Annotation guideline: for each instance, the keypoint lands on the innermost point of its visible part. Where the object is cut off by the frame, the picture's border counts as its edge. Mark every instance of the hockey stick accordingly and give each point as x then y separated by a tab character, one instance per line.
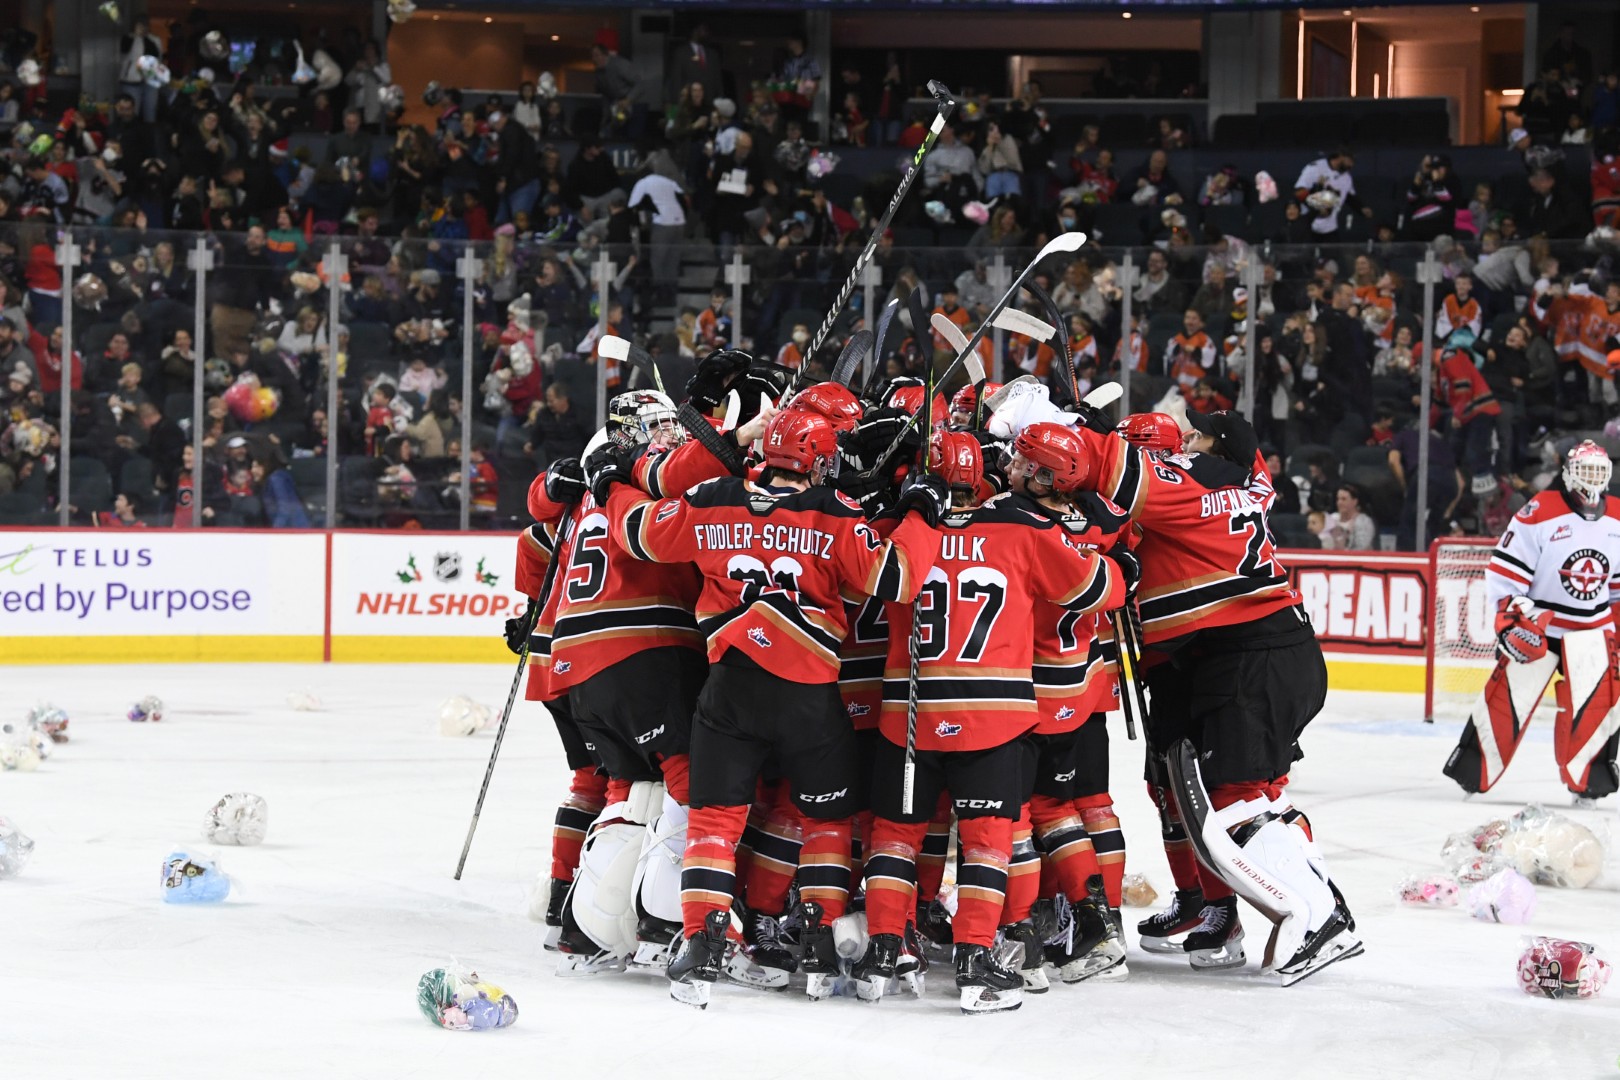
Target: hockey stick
855	349
1059	335
723	449
908	779
624	350
958	341
1066	242
947	105
880	346
517	680
1015	321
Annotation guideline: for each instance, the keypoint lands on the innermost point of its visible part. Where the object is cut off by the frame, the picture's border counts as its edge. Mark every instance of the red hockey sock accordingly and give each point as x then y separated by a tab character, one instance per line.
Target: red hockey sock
775	839
936	845
677	770
891	875
708	873
618	790
1178	850
1023	872
824	864
981	880
1068	848
1102	825
587	794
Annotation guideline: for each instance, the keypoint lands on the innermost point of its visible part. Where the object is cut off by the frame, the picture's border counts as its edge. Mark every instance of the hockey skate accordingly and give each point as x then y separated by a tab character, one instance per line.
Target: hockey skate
693	972
911	964
1183	916
656	942
1333	941
818	955
1099	946
934	928
1032	968
874	970
553	914
764	963
580	955
1217	943
983	984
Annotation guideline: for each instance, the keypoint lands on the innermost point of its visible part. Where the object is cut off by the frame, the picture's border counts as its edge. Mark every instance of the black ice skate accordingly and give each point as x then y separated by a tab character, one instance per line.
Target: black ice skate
656	941
818	955
1217	943
580	955
984	985
766	963
1333	941
1032	968
1099	946
934	927
877	967
693	972
553	919
912	962
1183	916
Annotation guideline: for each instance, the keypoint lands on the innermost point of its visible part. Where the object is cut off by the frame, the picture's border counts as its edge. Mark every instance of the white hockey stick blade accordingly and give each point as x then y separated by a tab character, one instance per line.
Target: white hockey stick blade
1014	321
733	412
958	341
614	348
1067	242
1105	395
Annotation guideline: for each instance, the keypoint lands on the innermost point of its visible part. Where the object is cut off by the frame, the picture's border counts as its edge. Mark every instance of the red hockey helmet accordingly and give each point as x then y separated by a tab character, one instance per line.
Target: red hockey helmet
797	439
1055	455
910	399
967	398
837	403
955	457
1151	431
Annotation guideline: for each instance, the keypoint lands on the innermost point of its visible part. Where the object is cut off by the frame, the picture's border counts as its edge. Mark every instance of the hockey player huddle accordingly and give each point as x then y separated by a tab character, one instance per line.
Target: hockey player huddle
791	651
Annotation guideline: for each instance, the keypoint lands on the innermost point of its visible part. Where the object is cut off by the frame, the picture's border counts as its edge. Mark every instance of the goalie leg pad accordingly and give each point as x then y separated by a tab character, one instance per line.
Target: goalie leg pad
1253	850
658	873
602	900
1588	718
1498	722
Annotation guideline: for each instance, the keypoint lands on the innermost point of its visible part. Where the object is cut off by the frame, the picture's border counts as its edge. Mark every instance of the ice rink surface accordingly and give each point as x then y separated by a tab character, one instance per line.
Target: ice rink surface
310	969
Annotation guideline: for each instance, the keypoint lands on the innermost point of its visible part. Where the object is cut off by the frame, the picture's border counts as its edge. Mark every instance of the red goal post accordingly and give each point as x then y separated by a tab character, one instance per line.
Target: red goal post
1461	641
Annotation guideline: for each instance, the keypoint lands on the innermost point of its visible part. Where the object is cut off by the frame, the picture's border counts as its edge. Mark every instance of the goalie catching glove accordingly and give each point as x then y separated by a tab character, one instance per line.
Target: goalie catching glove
1521	635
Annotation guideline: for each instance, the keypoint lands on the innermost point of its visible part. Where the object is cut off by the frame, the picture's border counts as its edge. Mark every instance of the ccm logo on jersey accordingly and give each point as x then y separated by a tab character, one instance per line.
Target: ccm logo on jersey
642	740
1065	777
1585	574
828	797
946	729
979	804
1563	532
757	636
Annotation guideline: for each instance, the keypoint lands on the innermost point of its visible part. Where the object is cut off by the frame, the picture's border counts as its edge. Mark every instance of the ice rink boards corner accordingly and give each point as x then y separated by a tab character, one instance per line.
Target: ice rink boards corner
151	596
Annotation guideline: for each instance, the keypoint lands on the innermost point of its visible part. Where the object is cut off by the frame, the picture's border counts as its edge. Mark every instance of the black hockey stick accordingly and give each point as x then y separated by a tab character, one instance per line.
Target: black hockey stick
880	347
908	778
723	448
855	350
517	680
1059	340
947	105
1066	242
626	351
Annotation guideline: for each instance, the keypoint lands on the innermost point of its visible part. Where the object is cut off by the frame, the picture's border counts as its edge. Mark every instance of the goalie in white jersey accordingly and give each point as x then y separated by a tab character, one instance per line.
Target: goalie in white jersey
1554	578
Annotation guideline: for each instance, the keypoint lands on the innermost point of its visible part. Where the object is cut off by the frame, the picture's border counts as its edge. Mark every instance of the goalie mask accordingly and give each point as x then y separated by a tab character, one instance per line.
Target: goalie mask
641	417
1587	470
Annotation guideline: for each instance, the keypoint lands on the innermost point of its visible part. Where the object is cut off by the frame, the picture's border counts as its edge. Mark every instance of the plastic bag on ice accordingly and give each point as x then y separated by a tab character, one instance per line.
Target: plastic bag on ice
15	847
1428	890
238	818
1505	897
1557	968
189	878
461	1001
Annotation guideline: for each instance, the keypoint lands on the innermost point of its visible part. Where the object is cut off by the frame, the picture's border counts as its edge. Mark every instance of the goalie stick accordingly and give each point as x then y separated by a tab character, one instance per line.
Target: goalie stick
946	105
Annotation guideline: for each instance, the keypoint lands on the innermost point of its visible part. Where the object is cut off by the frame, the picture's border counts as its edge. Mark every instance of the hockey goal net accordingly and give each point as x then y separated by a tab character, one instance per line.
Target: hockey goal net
1462	627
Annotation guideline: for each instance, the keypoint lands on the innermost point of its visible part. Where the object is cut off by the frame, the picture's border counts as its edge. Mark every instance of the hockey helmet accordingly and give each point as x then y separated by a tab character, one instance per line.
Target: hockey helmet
908	395
966	400
956	457
1151	431
1587	470
832	400
798	439
1050	454
643	416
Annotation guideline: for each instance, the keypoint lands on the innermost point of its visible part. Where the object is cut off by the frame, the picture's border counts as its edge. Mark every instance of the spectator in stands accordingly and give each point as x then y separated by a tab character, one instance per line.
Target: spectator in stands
555	430
134	45
1444	481
698	62
1606	102
1156	290
592	176
518	184
1348	370
1001	231
1551	212
1329	173
617	85
1000	164
1349	526
1459	311
737	187
283	509
950	172
367	80
1571	60
1153	184
1432	199
801	75
351	143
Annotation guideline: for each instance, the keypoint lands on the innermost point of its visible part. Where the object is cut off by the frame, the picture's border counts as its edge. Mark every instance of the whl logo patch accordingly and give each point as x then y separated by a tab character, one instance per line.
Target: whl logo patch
1065	713
757	636
946	729
561	667
857	709
1585	574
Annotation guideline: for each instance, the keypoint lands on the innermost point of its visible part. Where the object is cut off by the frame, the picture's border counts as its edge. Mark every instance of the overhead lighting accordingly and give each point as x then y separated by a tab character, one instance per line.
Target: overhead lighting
1354	27
1124	14
556	37
489	18
1299	64
1474	9
1345	13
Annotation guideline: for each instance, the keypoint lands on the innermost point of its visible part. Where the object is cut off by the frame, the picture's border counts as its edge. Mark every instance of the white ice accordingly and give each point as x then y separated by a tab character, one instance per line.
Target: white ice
310	969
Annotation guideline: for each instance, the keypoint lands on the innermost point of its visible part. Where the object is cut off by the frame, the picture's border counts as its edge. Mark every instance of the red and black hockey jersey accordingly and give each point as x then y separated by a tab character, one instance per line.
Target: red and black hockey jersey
978	612
1071	667
777	565
1206	549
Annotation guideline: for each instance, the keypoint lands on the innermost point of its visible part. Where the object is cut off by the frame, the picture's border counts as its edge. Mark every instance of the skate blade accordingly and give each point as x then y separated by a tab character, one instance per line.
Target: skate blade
820	985
694	993
1162	944
870	991
1089	968
552	936
913	981
1216	959
744	972
580	966
1035	980
1330	953
652	956
975	1000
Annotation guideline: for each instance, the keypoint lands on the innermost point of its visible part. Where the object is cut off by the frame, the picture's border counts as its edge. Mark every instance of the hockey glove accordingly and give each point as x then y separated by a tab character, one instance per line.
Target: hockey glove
715	374
609	464
861	474
1130	567
1089	416
926	494
519	629
565	481
1520	635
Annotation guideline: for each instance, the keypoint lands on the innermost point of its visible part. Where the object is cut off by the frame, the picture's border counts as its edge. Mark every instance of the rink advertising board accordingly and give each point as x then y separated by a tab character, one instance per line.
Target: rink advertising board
143	595
1368	610
403	595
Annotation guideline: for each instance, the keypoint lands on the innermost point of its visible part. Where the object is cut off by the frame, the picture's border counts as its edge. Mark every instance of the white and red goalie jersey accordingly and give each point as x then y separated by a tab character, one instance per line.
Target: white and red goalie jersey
1564	562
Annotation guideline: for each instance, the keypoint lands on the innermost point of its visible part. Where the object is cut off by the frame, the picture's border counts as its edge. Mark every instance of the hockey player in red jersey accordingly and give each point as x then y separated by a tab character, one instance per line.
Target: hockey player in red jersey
1553	579
776	558
1248	676
975	700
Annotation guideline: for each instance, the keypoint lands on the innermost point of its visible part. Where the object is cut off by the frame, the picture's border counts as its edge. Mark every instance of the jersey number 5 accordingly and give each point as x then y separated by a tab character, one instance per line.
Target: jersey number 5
588	566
